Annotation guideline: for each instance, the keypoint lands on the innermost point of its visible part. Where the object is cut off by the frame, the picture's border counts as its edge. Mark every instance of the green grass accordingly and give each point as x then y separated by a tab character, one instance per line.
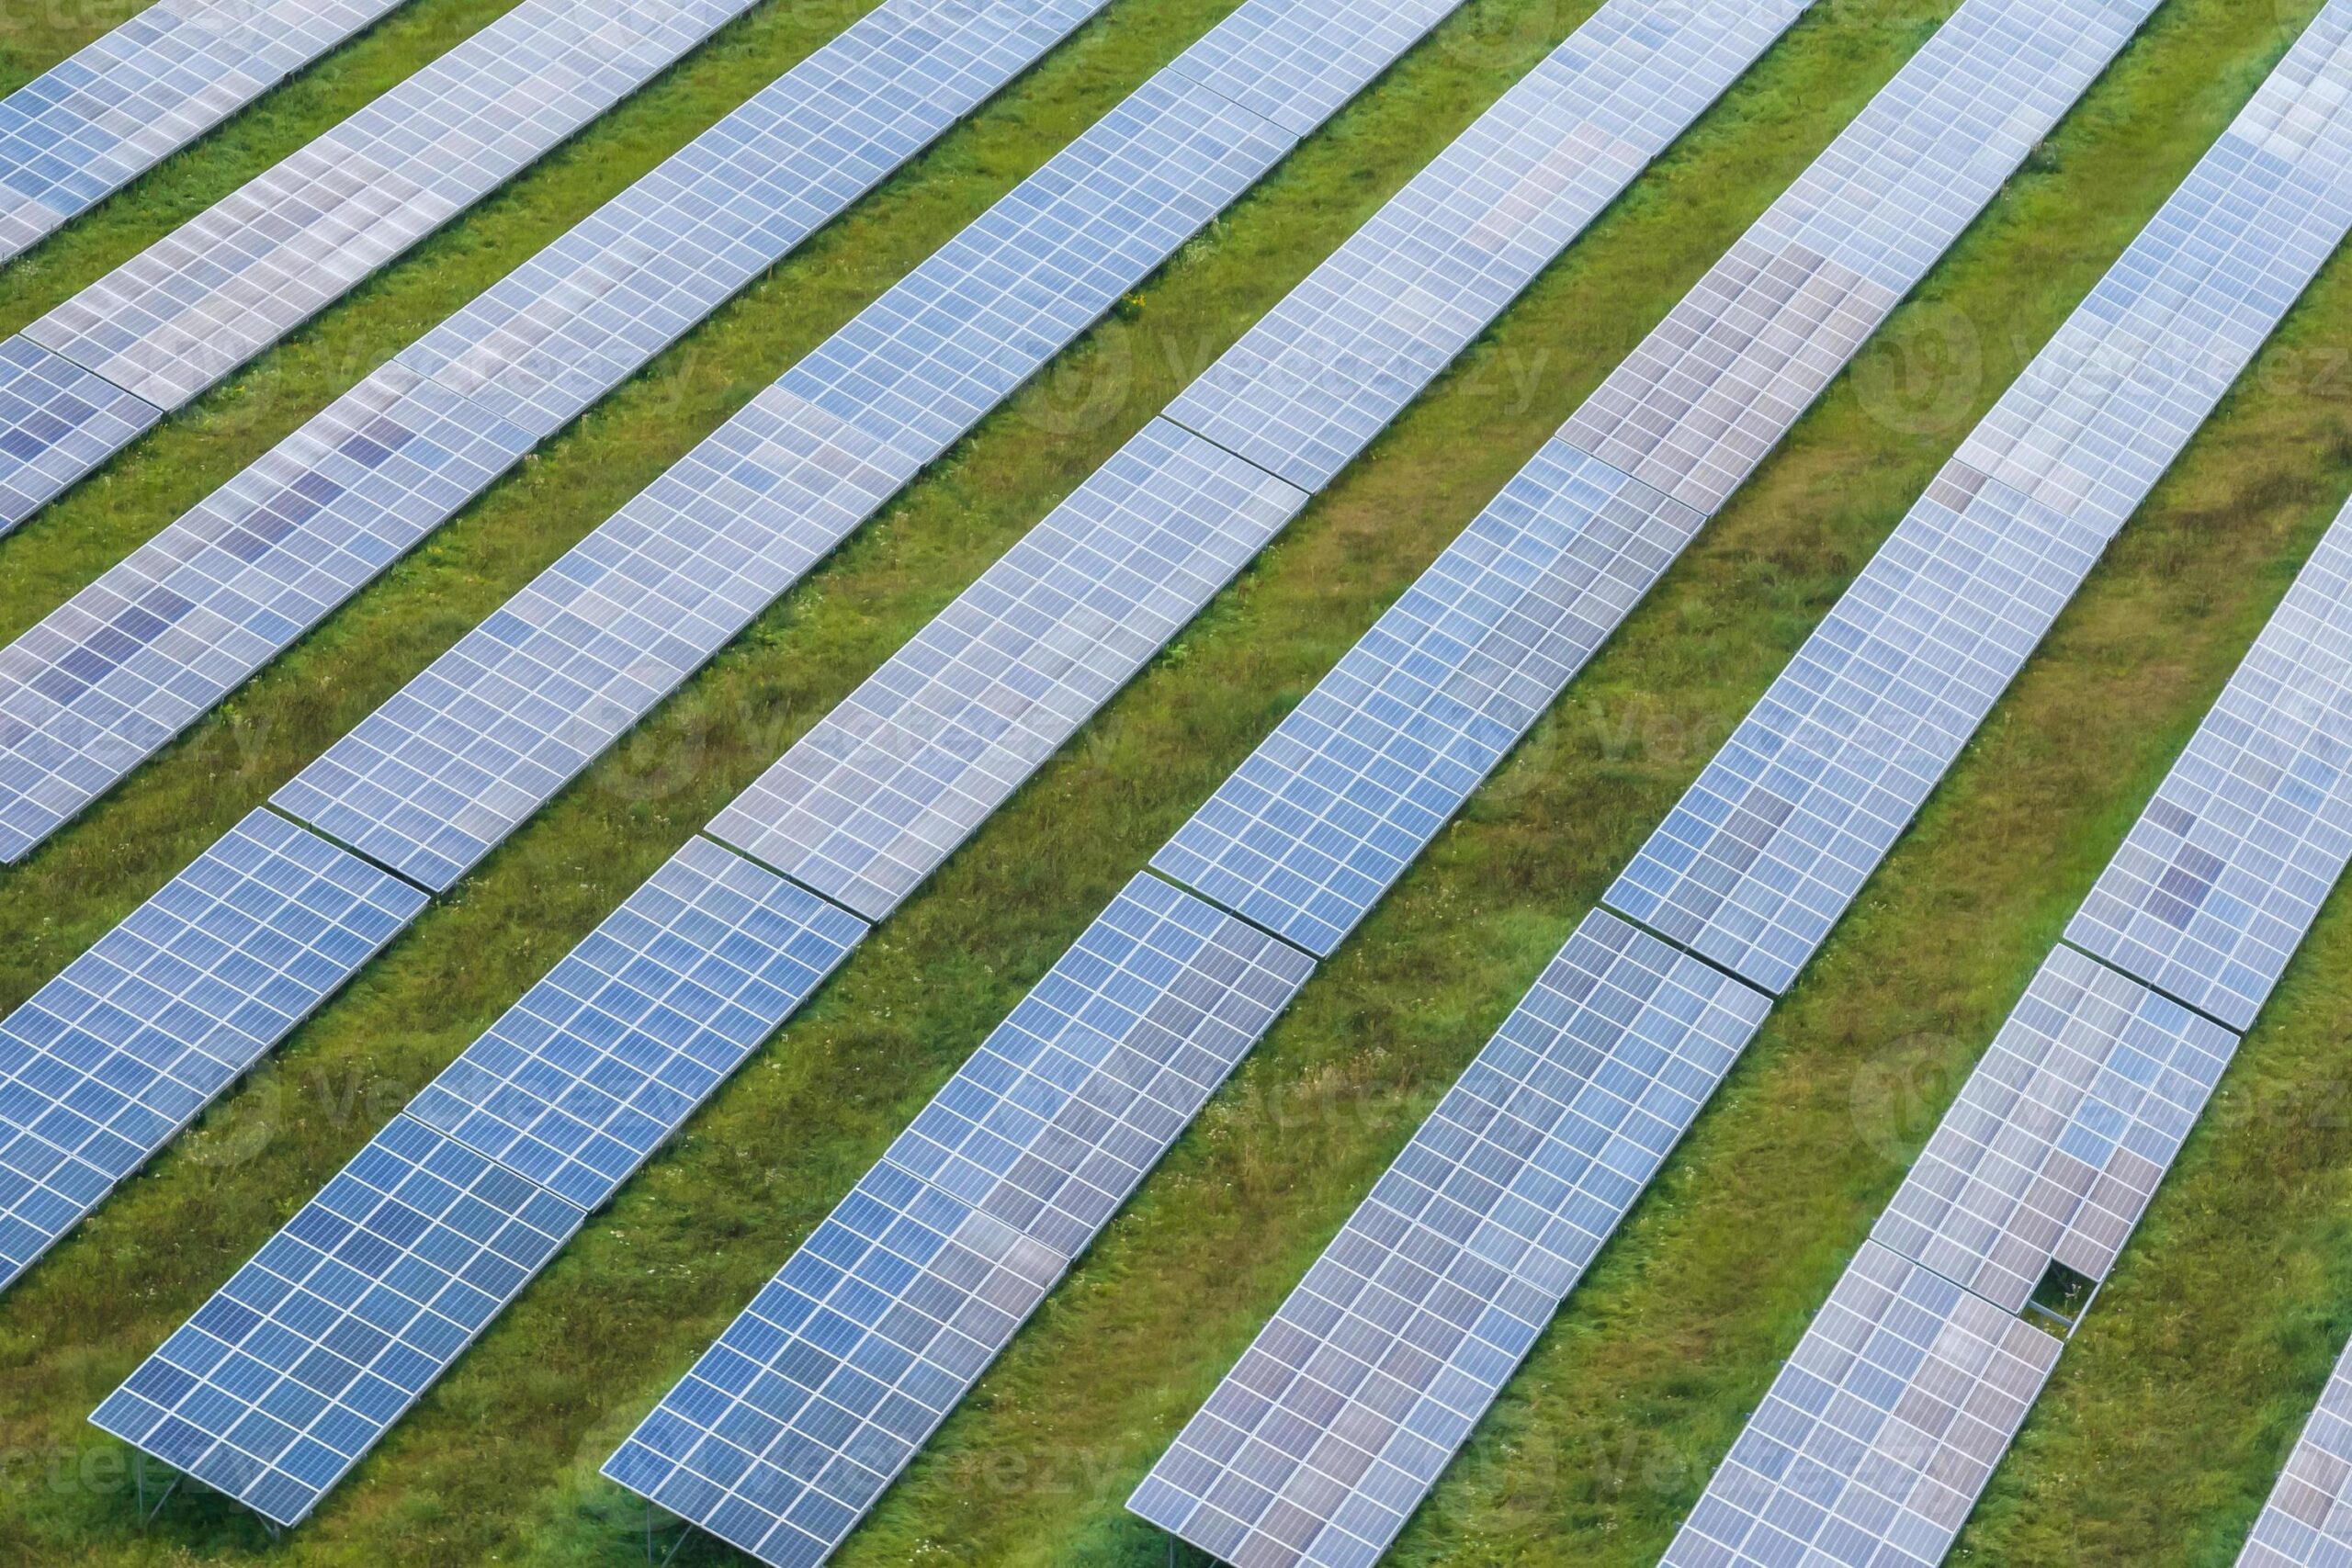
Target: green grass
2165	1421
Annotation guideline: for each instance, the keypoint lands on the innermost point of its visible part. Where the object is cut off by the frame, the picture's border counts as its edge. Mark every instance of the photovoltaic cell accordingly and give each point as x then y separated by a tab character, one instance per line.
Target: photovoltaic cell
1308	832
2059	1135
900	77
1309	386
2307	1522
787	1429
2227	867
139	655
197	304
1326	1435
481	739
1876	1438
869	803
280	1383
57	421
107	1063
91	123
607	1055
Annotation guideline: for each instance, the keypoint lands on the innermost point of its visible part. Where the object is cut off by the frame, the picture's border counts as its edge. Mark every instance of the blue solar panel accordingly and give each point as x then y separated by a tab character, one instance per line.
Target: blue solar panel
109	1060
872	799
2227	867
787	1429
313	519
1313	382
1776	837
2307	1520
91	123
57	421
480	741
607	1055
2059	1135
277	1385
1326	1435
1879	1435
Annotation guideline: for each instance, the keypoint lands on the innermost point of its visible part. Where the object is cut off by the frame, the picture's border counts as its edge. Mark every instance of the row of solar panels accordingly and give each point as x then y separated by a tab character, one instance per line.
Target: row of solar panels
1146	885
91	124
495	726
1188	505
107	678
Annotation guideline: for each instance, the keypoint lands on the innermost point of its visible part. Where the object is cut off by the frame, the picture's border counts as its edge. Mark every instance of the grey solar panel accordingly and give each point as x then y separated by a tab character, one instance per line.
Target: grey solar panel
481	739
277	1385
2059	1137
1310	385
1772	842
869	802
788	1428
106	1064
899	75
1317	1446
1313	826
202	301
279	1382
91	123
2307	1520
604	1058
1879	1435
1308	832
2225	870
57	421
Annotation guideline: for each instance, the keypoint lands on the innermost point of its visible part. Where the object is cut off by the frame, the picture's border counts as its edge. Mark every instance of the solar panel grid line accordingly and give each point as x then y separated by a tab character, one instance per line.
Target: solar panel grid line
111	1059
1875	1440
282	1382
2224	871
122	103
317	516
1772	842
2055	1143
1311	384
825	1387
870	802
432	780
867	803
191	308
57	421
2306	1522
1313	826
1323	1439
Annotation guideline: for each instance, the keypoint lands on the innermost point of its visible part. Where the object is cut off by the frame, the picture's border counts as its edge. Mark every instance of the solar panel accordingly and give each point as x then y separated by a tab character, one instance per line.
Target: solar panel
1293	65
1310	385
2307	1521
93	122
57	421
1308	832
205	298
2059	1135
106	1064
1775	838
296	557
277	1385
869	803
284	1378
2225	870
606	1056
1320	1442
1879	1435
481	739
787	1429
1315	826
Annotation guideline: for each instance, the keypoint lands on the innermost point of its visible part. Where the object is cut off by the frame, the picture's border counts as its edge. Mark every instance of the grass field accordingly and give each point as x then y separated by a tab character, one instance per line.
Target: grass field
2166	1422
